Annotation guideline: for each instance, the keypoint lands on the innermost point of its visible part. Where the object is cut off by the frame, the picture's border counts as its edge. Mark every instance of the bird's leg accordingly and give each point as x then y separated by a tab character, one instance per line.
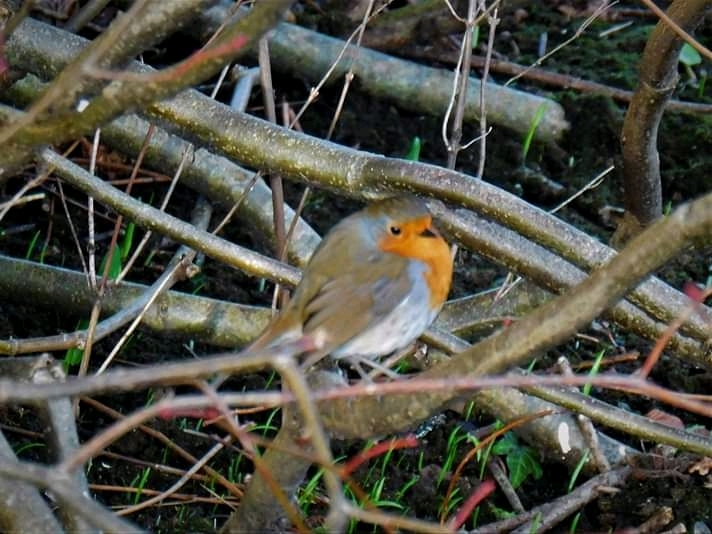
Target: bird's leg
392	360
375	365
312	358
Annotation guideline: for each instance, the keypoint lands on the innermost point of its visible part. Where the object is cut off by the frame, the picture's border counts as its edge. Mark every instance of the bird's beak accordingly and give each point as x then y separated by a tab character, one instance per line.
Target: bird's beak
430	231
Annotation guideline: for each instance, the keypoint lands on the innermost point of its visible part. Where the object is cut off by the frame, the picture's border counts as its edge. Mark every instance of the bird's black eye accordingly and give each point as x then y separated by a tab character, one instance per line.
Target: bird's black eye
394	230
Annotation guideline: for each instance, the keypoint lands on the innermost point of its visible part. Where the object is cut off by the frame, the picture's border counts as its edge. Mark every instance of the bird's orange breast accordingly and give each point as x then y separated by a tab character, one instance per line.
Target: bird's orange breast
419	240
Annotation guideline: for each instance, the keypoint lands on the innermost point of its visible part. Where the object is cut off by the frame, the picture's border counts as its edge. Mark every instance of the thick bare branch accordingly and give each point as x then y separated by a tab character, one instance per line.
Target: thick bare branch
122	95
214	176
62	437
415	87
658	78
22	508
63	488
220	323
179	230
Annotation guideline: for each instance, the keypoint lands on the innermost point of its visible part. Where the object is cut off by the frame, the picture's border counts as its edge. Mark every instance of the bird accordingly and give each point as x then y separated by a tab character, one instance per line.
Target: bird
374	284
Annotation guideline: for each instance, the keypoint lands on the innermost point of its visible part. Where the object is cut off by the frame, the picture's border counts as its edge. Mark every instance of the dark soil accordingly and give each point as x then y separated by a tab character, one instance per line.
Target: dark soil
378	126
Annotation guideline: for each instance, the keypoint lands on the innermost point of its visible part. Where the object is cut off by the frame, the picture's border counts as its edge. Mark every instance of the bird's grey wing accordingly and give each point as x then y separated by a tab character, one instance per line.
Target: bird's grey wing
345	307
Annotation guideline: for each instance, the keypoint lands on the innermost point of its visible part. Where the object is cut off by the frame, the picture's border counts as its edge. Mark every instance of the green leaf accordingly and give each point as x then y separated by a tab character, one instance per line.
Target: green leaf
115	267
522	464
127	242
506	444
475	36
74	355
689	56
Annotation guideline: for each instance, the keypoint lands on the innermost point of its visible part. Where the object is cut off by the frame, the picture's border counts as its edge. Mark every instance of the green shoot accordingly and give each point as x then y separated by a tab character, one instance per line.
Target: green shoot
455	438
453	503
531	366
127	241
376	493
197	283
483	454
271	379
139	482
538	116
373	467
475	36
413	153
469	408
595	368
182	510
308	493
234	471
32	245
74	355
475	517
115	266
385	459
402	491
500	513
421	461
577	471
212	488
536	523
29	446
269	426
667	209
572	483
43	251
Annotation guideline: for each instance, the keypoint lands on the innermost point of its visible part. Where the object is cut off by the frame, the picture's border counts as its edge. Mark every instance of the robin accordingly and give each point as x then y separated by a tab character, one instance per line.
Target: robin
373	285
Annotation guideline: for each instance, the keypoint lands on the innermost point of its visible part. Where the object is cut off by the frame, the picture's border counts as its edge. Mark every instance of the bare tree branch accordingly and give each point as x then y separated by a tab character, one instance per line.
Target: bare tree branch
121	95
639	138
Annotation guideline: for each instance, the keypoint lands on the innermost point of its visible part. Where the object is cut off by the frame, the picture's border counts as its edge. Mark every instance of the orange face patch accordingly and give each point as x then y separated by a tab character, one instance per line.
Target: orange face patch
417	239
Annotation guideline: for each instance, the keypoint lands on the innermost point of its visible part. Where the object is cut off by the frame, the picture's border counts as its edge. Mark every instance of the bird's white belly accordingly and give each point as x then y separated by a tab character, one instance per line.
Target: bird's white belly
396	330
